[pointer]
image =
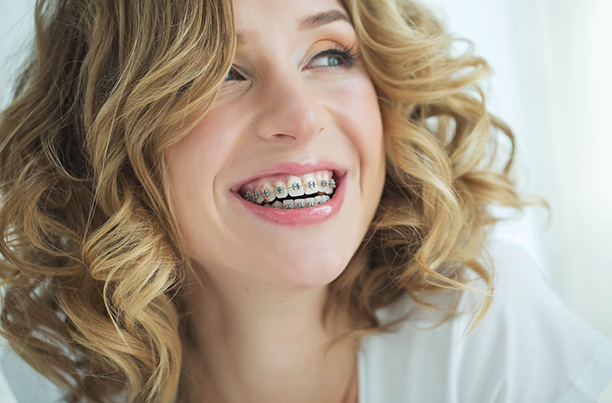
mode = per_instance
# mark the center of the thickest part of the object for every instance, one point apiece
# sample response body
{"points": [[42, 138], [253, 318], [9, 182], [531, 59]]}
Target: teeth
{"points": [[294, 186], [257, 197], [310, 184], [299, 203], [324, 184], [248, 194], [280, 190], [316, 187], [267, 191]]}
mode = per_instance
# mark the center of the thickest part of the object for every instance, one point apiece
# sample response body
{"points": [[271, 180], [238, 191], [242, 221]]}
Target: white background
{"points": [[552, 83]]}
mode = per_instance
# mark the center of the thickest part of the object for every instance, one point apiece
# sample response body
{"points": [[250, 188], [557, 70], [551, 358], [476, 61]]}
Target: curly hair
{"points": [[93, 261]]}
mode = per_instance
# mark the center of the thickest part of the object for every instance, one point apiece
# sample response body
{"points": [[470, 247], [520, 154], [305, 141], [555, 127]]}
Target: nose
{"points": [[289, 111]]}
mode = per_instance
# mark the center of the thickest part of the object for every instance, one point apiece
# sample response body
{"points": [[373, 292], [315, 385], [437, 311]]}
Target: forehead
{"points": [[280, 16]]}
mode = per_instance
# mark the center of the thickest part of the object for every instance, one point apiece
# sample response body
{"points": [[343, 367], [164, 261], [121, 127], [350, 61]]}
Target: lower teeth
{"points": [[287, 204]]}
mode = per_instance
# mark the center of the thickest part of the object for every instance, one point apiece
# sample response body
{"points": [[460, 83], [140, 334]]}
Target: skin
{"points": [[256, 297]]}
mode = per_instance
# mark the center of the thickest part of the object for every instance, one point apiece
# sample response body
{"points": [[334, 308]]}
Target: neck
{"points": [[255, 342]]}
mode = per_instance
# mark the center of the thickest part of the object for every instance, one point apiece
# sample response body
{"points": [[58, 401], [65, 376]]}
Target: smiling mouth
{"points": [[291, 191]]}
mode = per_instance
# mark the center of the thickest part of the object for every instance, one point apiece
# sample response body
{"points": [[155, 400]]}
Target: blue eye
{"points": [[328, 61], [233, 75], [344, 57]]}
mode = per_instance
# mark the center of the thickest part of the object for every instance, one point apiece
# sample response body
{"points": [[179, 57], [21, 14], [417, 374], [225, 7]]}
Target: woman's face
{"points": [[296, 113]]}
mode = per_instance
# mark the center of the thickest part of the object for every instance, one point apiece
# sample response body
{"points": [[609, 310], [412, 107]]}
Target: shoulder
{"points": [[528, 347], [535, 348]]}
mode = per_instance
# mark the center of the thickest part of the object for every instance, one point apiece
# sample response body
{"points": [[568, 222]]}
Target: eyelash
{"points": [[348, 54]]}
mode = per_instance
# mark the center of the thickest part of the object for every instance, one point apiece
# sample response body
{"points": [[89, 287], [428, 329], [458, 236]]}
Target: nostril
{"points": [[289, 112]]}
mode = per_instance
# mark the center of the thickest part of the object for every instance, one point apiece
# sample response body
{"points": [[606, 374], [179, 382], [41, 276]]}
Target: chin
{"points": [[315, 273]]}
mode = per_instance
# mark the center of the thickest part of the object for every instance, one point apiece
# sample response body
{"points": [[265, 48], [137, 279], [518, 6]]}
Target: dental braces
{"points": [[301, 205], [296, 186]]}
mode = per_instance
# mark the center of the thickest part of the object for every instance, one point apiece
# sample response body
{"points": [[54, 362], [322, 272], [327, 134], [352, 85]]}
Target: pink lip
{"points": [[299, 217], [294, 168]]}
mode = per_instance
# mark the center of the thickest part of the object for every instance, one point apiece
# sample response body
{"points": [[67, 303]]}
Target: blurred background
{"points": [[552, 83]]}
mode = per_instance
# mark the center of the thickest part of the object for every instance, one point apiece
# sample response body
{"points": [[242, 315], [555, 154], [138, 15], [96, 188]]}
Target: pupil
{"points": [[334, 61]]}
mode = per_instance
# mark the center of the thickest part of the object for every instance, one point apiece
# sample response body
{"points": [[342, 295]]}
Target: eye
{"points": [[333, 57], [327, 61], [234, 75]]}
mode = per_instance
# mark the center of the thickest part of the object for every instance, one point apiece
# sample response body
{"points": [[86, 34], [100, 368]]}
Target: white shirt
{"points": [[528, 348]]}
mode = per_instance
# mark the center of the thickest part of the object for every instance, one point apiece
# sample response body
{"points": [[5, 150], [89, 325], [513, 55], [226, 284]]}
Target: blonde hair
{"points": [[93, 259]]}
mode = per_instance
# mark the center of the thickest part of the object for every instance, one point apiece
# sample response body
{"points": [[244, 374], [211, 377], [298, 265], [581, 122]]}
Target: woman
{"points": [[266, 202]]}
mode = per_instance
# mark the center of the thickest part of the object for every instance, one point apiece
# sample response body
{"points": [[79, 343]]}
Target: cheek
{"points": [[208, 142], [362, 122], [357, 102], [193, 165], [189, 162], [198, 158], [359, 113]]}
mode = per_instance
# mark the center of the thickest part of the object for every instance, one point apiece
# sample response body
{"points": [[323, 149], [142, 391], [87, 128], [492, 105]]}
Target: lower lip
{"points": [[299, 216]]}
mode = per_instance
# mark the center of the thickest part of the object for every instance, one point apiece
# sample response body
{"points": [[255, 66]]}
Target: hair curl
{"points": [[93, 259]]}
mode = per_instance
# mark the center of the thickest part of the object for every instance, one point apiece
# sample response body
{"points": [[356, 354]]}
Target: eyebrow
{"points": [[323, 18], [311, 22]]}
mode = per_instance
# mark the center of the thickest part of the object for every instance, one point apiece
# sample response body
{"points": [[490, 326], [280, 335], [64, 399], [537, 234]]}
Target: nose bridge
{"points": [[288, 109]]}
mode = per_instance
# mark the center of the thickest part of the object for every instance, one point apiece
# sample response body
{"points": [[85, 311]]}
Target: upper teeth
{"points": [[310, 184], [295, 189]]}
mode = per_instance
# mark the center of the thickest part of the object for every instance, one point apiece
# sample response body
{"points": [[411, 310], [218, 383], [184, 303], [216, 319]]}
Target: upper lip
{"points": [[294, 168]]}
